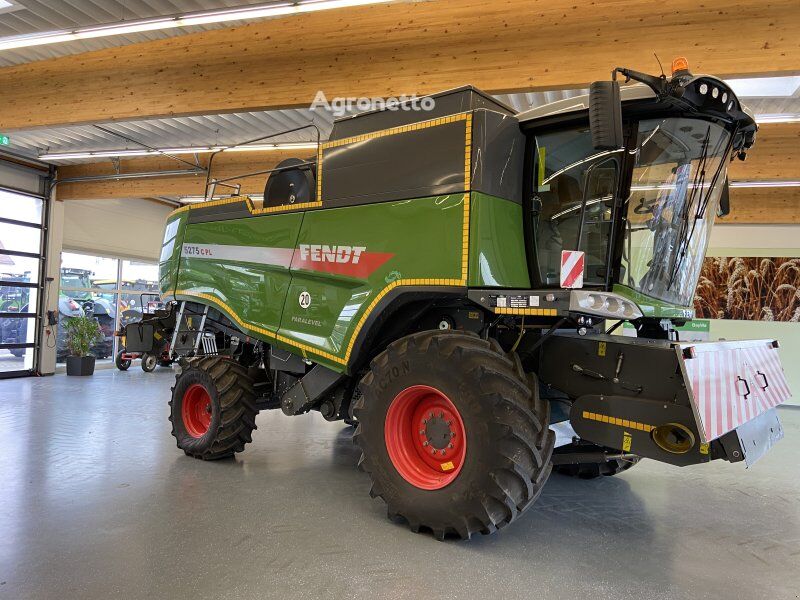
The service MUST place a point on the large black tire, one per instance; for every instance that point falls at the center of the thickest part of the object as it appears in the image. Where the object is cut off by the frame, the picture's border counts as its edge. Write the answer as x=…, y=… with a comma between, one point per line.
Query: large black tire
x=230, y=403
x=592, y=470
x=508, y=443
x=149, y=362
x=123, y=364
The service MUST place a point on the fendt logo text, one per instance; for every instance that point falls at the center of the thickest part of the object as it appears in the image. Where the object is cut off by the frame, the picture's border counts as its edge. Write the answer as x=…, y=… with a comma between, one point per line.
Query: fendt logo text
x=332, y=254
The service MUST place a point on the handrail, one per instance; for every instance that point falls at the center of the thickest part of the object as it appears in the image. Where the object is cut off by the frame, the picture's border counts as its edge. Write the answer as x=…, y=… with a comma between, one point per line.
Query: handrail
x=212, y=183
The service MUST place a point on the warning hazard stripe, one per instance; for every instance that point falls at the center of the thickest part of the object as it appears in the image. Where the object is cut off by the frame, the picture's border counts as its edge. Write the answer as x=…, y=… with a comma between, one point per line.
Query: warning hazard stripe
x=731, y=386
x=572, y=263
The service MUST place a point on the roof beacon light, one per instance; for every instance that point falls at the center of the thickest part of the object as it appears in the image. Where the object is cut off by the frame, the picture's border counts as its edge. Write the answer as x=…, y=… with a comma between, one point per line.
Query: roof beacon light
x=680, y=66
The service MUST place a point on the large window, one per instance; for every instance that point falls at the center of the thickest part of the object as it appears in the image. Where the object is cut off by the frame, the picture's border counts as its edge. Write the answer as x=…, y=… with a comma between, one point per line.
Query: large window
x=677, y=181
x=109, y=289
x=21, y=259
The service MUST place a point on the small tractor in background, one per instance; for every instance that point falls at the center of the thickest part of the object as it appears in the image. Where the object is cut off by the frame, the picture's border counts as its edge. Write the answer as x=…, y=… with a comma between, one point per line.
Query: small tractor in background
x=148, y=336
x=444, y=280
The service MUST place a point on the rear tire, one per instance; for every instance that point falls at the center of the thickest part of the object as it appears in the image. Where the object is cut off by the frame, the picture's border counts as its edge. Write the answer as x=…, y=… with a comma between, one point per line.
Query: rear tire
x=473, y=389
x=592, y=470
x=123, y=364
x=212, y=409
x=149, y=362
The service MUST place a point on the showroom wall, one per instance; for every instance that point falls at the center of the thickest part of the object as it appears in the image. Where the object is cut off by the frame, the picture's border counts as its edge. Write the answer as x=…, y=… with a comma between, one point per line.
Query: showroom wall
x=130, y=228
x=763, y=241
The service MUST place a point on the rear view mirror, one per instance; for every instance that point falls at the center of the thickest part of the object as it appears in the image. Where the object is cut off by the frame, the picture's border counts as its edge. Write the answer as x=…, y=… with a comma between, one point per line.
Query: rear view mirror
x=724, y=208
x=605, y=115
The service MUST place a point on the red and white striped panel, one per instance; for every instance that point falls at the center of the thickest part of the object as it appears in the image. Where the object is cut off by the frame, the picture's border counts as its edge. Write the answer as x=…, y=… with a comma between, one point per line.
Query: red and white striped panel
x=734, y=382
x=572, y=265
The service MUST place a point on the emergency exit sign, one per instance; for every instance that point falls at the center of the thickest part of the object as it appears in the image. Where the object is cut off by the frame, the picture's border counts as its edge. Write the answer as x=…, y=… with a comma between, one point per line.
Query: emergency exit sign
x=4, y=141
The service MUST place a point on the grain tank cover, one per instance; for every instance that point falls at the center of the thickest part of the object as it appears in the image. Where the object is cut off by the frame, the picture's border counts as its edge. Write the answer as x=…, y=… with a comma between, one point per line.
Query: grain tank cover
x=451, y=102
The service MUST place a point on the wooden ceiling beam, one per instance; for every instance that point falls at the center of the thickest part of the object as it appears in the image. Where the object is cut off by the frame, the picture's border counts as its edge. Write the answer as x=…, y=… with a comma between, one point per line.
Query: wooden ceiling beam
x=227, y=164
x=400, y=48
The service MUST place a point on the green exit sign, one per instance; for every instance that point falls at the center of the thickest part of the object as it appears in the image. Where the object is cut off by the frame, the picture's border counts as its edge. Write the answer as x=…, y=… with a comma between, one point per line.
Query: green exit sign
x=4, y=141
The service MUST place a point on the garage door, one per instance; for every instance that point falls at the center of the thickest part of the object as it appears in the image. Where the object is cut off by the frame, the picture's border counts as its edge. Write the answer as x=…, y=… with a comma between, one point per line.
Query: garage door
x=22, y=214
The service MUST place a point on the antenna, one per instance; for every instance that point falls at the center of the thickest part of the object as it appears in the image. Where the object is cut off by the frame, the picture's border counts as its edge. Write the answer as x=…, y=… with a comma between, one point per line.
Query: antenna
x=660, y=66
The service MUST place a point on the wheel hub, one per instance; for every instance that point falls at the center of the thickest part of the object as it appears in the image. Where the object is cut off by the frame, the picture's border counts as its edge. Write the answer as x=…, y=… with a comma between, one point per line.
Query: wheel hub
x=438, y=432
x=196, y=410
x=425, y=437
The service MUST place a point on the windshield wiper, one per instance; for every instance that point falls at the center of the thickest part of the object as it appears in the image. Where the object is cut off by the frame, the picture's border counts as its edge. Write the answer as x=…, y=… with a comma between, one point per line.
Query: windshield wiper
x=702, y=202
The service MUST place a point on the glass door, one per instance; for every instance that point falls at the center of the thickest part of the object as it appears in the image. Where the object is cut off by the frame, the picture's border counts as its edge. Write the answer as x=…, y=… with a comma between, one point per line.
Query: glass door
x=21, y=267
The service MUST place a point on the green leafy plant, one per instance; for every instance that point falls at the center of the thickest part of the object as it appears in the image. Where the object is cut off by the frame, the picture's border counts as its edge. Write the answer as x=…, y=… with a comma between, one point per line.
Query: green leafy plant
x=82, y=332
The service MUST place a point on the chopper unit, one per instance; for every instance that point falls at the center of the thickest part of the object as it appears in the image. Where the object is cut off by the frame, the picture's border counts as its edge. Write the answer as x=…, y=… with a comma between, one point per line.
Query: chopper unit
x=443, y=279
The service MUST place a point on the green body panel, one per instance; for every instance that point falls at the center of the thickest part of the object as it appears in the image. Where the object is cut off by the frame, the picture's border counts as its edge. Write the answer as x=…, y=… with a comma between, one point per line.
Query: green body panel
x=253, y=288
x=242, y=267
x=419, y=242
x=496, y=244
x=652, y=307
x=171, y=252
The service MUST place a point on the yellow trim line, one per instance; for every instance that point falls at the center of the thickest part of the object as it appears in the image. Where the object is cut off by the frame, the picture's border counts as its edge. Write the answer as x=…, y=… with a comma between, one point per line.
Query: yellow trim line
x=536, y=312
x=447, y=282
x=617, y=421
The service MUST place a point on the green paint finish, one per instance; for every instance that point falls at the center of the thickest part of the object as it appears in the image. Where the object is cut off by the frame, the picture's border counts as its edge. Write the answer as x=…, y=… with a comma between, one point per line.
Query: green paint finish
x=414, y=241
x=496, y=243
x=4, y=140
x=244, y=263
x=171, y=252
x=652, y=307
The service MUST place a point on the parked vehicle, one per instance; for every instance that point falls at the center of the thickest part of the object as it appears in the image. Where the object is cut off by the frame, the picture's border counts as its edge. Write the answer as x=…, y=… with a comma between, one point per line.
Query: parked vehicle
x=14, y=299
x=443, y=278
x=148, y=338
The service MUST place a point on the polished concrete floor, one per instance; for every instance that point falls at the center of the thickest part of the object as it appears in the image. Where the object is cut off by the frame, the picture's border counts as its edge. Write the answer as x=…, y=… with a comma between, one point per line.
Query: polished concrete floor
x=96, y=502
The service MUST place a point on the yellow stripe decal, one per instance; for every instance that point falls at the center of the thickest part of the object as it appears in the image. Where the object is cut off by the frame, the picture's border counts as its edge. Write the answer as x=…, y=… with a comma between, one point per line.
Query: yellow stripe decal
x=617, y=421
x=536, y=312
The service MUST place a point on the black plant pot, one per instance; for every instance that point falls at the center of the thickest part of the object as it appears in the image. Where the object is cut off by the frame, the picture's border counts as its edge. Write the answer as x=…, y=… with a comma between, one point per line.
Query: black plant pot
x=80, y=365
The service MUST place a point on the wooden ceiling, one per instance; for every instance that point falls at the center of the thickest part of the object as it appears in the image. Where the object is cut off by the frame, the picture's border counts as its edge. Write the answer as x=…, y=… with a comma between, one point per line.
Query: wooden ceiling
x=400, y=48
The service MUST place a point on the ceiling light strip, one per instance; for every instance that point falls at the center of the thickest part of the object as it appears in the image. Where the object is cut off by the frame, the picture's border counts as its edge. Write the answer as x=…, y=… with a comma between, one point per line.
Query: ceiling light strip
x=259, y=11
x=192, y=150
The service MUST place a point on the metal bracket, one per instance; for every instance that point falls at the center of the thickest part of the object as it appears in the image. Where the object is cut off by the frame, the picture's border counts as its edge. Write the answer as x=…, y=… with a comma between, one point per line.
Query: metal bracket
x=177, y=329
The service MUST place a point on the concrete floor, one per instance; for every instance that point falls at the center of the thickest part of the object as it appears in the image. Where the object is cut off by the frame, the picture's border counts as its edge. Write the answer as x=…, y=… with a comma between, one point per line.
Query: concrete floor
x=96, y=502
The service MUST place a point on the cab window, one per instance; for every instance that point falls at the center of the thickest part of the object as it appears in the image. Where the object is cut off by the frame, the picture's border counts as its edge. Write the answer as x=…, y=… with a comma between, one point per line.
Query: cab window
x=573, y=199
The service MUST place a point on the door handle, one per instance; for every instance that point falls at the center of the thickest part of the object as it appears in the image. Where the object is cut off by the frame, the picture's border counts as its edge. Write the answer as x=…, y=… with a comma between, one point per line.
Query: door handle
x=746, y=385
x=766, y=382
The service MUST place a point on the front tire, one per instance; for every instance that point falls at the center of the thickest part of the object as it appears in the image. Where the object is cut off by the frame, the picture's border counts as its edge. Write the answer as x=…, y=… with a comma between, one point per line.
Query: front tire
x=213, y=408
x=454, y=438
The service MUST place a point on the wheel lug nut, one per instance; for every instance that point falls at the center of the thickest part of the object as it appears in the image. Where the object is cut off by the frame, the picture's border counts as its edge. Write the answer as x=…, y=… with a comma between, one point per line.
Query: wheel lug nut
x=452, y=434
x=441, y=415
x=422, y=432
x=450, y=446
x=443, y=452
x=430, y=416
x=433, y=451
x=449, y=423
x=424, y=443
x=425, y=421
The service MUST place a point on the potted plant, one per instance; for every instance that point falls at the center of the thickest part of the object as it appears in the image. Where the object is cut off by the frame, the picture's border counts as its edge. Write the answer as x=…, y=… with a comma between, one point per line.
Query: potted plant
x=82, y=333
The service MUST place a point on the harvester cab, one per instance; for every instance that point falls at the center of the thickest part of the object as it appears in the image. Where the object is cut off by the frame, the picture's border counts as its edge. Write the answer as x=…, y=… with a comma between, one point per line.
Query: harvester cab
x=445, y=279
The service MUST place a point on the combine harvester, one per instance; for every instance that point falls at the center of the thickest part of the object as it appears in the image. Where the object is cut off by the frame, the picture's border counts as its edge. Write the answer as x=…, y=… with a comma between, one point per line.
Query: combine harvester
x=443, y=280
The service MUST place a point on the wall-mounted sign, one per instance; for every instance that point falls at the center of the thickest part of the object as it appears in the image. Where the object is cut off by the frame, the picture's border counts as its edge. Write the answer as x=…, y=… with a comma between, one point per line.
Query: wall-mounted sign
x=4, y=140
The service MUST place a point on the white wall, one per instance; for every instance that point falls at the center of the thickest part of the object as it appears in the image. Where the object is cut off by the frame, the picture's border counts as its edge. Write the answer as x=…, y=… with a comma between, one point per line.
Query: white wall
x=127, y=228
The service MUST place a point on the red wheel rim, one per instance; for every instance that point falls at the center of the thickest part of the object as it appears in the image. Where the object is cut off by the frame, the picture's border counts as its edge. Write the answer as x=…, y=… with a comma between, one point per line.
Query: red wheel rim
x=425, y=437
x=196, y=410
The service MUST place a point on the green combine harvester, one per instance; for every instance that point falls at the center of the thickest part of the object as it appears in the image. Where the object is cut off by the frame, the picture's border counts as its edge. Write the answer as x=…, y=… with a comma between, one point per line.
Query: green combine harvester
x=447, y=280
